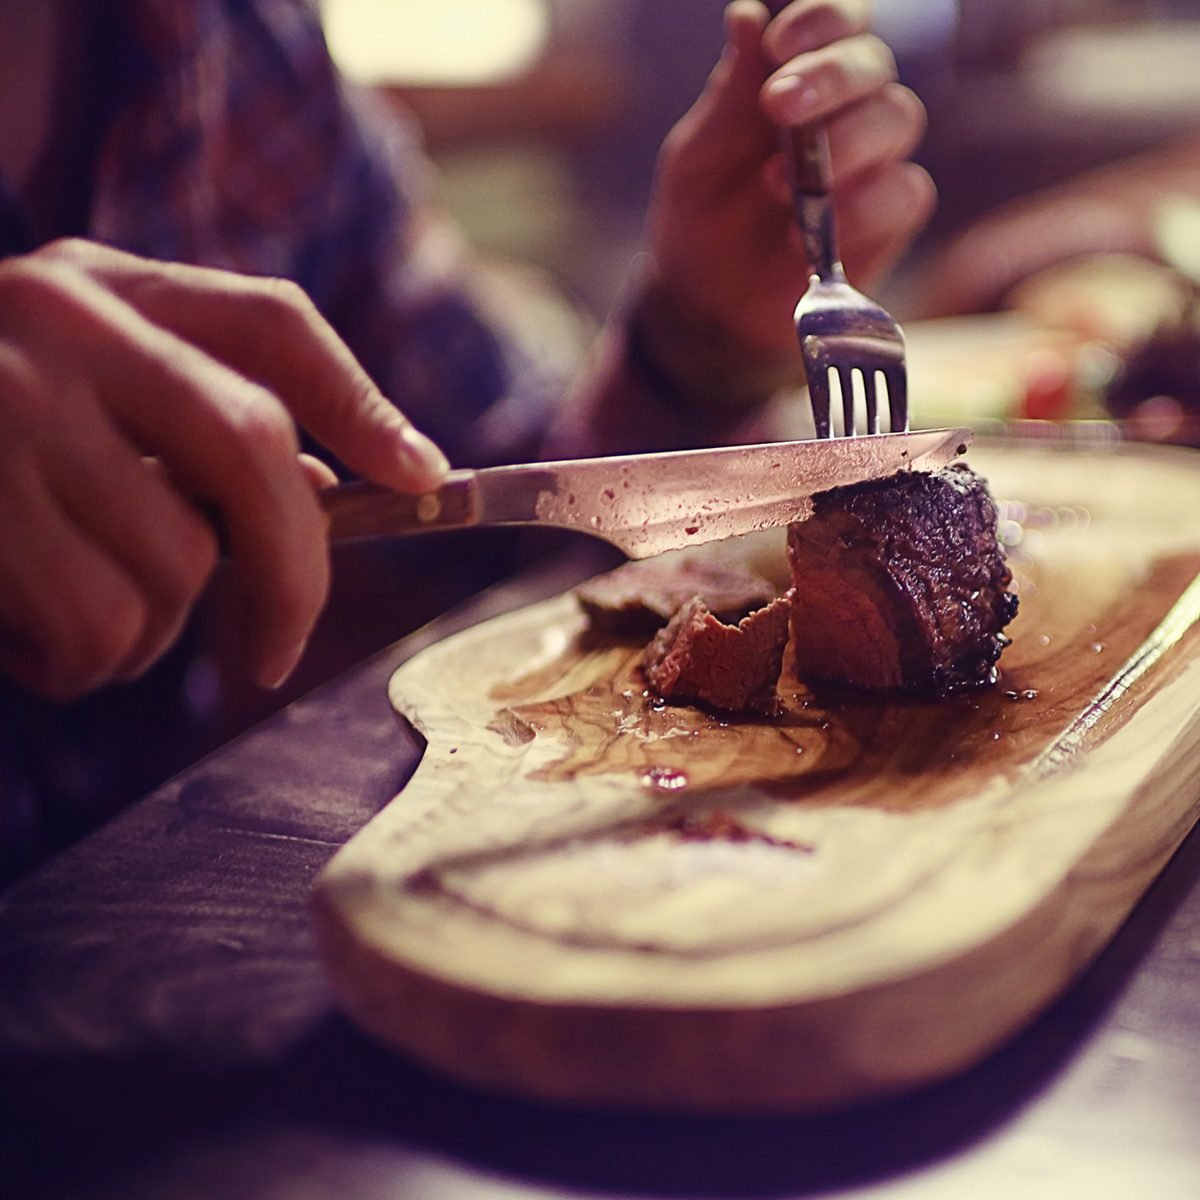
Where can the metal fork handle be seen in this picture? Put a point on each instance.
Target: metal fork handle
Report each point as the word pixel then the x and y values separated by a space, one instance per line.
pixel 806 155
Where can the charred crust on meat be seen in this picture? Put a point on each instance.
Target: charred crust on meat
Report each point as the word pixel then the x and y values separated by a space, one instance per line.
pixel 901 584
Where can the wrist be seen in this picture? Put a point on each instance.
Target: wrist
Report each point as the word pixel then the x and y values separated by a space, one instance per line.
pixel 696 362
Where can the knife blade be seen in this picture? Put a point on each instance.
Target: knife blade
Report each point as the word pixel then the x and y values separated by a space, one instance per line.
pixel 645 504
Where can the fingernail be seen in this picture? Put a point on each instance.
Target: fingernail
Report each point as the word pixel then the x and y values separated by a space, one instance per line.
pixel 424 454
pixel 796 93
pixel 275 670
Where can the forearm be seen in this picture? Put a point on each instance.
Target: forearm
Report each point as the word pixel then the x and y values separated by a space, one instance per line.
pixel 660 377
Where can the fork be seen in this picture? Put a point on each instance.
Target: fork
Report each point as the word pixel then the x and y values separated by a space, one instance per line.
pixel 839 329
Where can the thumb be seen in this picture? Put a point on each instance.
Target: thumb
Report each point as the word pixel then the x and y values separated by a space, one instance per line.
pixel 730 96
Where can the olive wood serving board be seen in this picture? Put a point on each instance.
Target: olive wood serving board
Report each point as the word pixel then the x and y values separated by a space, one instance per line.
pixel 586 896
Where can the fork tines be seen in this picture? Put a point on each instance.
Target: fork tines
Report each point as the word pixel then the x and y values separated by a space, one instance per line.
pixel 853 381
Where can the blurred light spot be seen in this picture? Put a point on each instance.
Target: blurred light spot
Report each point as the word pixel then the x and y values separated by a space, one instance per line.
pixel 1158 419
pixel 452 42
pixel 1035 1155
pixel 1117 70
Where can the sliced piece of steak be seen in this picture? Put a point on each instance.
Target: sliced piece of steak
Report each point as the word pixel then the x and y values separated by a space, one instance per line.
pixel 901 584
pixel 698 659
pixel 639 597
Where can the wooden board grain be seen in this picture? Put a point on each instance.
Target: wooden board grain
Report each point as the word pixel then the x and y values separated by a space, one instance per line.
pixel 588 896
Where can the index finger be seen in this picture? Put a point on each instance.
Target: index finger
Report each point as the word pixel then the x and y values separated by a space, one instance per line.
pixel 221 437
pixel 270 331
pixel 806 25
pixel 813 86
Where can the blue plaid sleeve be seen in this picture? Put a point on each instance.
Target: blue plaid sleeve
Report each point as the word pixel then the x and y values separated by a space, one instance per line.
pixel 237 145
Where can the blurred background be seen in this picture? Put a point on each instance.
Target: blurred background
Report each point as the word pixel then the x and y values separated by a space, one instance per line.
pixel 545 115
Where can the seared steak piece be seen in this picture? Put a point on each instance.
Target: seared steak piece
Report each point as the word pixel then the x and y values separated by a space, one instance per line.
pixel 700 659
pixel 640 597
pixel 900 583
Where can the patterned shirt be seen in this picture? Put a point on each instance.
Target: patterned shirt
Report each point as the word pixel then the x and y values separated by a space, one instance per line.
pixel 218 132
pixel 222 135
pixel 229 140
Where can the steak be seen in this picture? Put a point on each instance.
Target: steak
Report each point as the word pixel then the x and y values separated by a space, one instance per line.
pixel 901 584
pixel 699 659
pixel 640 597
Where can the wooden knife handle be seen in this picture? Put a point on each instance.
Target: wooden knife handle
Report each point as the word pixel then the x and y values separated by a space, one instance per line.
pixel 359 510
pixel 363 510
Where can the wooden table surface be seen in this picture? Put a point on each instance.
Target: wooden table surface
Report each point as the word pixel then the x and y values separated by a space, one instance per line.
pixel 165 1031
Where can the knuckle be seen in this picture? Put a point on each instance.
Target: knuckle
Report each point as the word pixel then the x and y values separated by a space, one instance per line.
pixel 895 120
pixel 911 106
pixel 836 17
pixel 201 553
pixel 22 279
pixel 74 250
pixel 838 76
pixel 98 639
pixel 818 23
pixel 904 100
pixel 263 430
pixel 283 301
pixel 863 63
pixel 923 193
pixel 885 59
pixel 196 558
pixel 39 290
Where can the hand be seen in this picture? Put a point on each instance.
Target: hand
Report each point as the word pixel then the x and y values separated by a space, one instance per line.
pixel 133 396
pixel 721 230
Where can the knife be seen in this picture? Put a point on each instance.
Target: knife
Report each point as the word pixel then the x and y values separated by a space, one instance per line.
pixel 645 503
